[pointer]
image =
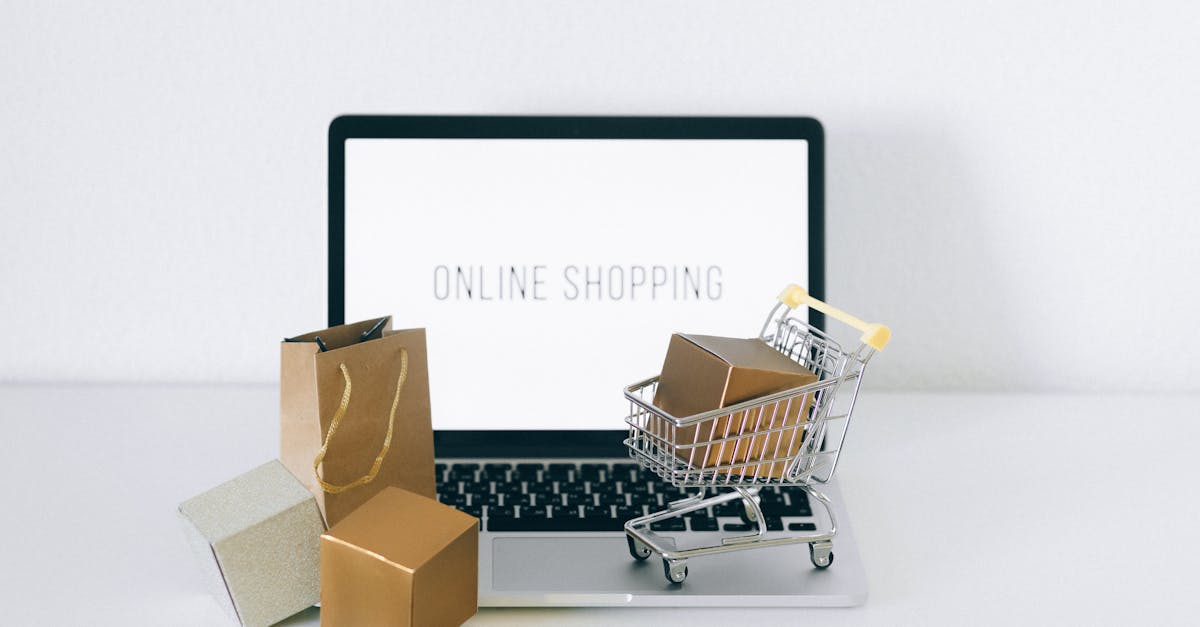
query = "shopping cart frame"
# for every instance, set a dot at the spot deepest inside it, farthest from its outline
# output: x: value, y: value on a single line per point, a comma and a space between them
x: 654, y: 440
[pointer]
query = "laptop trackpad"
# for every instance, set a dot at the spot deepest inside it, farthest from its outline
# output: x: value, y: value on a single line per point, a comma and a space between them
x: 603, y: 564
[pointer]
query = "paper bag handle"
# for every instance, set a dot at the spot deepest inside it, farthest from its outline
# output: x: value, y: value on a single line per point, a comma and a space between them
x: 337, y: 420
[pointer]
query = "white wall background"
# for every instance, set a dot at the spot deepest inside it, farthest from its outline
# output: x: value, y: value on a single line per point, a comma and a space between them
x: 1012, y: 186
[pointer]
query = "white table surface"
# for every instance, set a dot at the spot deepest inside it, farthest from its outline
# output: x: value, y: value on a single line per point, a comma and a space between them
x: 969, y: 509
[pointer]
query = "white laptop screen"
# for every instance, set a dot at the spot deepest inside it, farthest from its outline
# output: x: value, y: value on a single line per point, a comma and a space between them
x: 550, y: 273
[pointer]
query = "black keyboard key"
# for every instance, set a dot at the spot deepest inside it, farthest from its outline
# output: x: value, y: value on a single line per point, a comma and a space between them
x: 597, y: 511
x: 796, y: 499
x: 610, y: 498
x: 643, y: 499
x: 571, y: 498
x: 562, y: 511
x: 572, y: 487
x: 603, y: 488
x: 479, y: 498
x: 774, y: 523
x: 801, y: 526
x: 569, y: 487
x: 634, y: 488
x: 670, y: 524
x: 501, y: 512
x: 738, y: 527
x: 463, y: 472
x: 770, y: 497
x: 778, y: 509
x: 555, y: 524
x: 509, y: 488
x: 559, y: 472
x: 497, y: 466
x: 540, y: 488
x: 534, y: 511
x: 629, y: 512
x: 520, y: 499
x: 525, y: 472
x: 703, y: 523
x: 453, y: 500
x: 485, y: 499
x: 493, y: 474
x: 473, y: 487
x: 592, y: 472
x: 622, y: 472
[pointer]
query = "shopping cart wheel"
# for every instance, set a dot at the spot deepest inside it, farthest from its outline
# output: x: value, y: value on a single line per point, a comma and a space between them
x: 821, y: 554
x: 675, y: 570
x: 639, y: 551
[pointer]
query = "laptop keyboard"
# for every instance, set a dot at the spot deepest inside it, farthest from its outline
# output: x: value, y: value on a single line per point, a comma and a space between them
x: 533, y: 496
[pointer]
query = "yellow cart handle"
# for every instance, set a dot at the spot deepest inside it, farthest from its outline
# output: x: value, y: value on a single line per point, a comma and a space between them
x: 874, y: 334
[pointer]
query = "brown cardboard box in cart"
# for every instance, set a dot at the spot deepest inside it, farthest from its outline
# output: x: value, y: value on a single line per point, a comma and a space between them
x: 703, y: 373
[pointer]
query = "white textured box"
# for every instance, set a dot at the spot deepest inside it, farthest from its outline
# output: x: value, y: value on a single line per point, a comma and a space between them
x: 257, y: 538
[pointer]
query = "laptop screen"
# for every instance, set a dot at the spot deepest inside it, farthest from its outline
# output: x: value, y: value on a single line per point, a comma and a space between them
x: 551, y: 273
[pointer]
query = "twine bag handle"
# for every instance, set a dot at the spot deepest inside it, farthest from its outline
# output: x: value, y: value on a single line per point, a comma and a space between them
x: 337, y: 420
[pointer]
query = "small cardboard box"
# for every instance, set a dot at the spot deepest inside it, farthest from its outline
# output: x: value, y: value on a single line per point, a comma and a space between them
x: 258, y: 539
x: 702, y: 373
x: 400, y: 559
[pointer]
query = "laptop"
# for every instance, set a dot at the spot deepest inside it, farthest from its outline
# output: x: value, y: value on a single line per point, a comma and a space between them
x: 550, y: 259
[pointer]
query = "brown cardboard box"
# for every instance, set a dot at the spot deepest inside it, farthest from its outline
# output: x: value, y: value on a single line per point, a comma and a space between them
x: 702, y: 373
x: 400, y: 559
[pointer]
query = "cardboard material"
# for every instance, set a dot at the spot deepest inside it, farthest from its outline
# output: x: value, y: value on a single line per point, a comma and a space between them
x: 400, y: 559
x: 257, y: 538
x: 702, y: 373
x: 311, y: 391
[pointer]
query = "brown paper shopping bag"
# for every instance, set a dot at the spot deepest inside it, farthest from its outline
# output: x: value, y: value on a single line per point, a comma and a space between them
x: 354, y: 413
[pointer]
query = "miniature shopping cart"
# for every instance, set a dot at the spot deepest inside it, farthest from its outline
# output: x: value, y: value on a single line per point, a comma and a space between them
x: 790, y: 438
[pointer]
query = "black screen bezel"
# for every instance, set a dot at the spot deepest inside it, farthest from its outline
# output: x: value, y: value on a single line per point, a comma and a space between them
x: 562, y: 443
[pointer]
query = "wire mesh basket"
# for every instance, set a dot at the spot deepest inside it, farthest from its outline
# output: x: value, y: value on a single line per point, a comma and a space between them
x: 793, y: 437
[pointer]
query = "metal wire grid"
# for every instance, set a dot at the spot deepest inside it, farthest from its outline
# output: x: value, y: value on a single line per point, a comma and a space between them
x: 789, y: 438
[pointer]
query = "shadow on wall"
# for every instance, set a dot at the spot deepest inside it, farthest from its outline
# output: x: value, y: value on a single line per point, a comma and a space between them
x: 907, y: 245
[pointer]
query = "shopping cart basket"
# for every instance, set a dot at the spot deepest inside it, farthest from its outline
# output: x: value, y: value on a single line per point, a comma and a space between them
x: 761, y: 437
